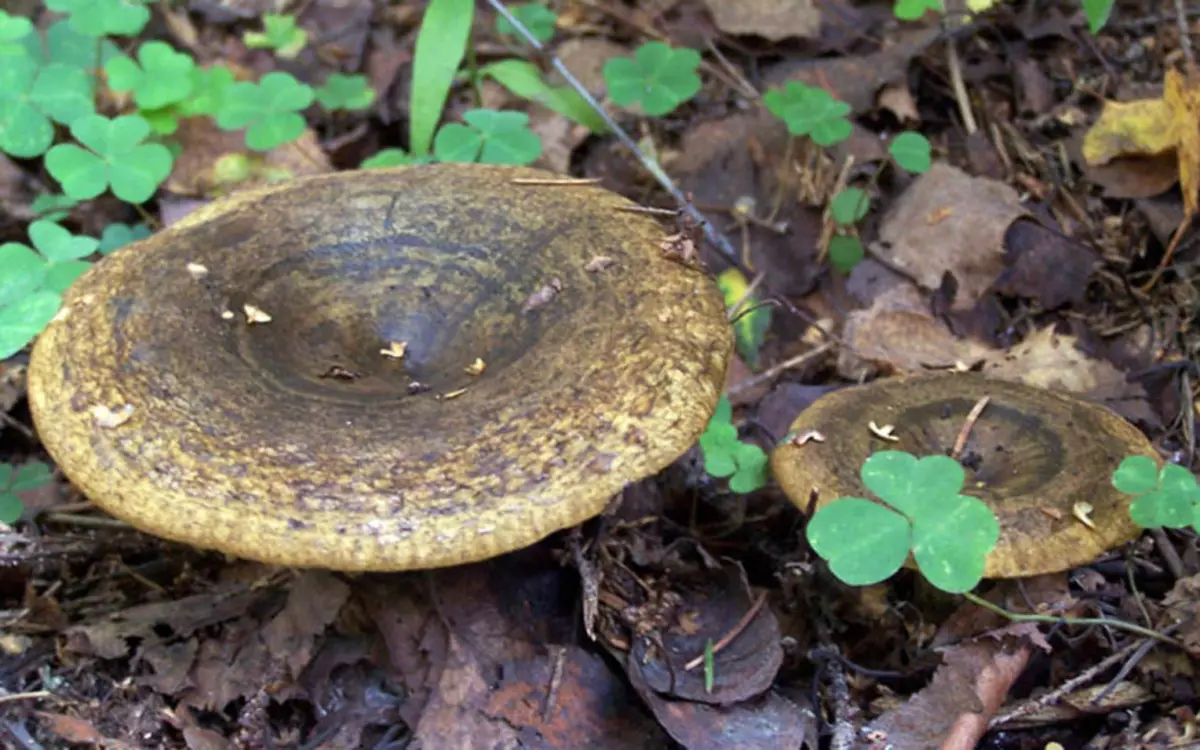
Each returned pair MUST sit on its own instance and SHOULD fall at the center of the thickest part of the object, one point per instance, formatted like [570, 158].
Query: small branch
[960, 88]
[774, 372]
[970, 421]
[727, 639]
[1185, 39]
[718, 241]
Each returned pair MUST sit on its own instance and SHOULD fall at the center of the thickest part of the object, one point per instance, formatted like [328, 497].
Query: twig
[562, 181]
[737, 629]
[970, 421]
[1067, 687]
[718, 241]
[35, 695]
[772, 373]
[960, 88]
[556, 678]
[1185, 39]
[1100, 621]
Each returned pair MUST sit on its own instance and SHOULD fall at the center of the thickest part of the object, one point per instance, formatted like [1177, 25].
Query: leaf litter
[1049, 244]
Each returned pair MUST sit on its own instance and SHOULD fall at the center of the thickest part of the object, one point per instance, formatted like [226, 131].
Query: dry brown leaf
[770, 19]
[1137, 128]
[950, 222]
[1051, 360]
[898, 334]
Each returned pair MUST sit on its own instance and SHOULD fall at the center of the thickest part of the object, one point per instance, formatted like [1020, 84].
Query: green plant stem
[1118, 624]
[719, 241]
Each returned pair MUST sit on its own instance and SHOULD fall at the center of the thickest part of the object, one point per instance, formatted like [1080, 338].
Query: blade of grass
[441, 45]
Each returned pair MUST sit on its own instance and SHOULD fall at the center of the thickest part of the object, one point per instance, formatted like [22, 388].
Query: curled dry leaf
[227, 315]
[395, 350]
[544, 295]
[452, 394]
[1082, 510]
[109, 418]
[808, 436]
[598, 264]
[255, 314]
[197, 270]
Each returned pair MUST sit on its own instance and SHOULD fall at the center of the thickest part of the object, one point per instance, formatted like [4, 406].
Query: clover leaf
[810, 111]
[1167, 497]
[61, 252]
[863, 542]
[280, 33]
[209, 86]
[61, 43]
[111, 154]
[912, 10]
[22, 272]
[269, 110]
[845, 252]
[726, 456]
[751, 471]
[923, 512]
[30, 476]
[718, 444]
[118, 235]
[912, 151]
[535, 17]
[489, 137]
[12, 30]
[161, 76]
[345, 92]
[31, 96]
[849, 206]
[392, 157]
[104, 17]
[658, 77]
[25, 318]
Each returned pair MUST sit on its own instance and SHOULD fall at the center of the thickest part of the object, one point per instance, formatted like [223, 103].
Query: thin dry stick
[768, 375]
[1185, 39]
[562, 181]
[1067, 687]
[737, 306]
[719, 241]
[970, 421]
[35, 695]
[737, 629]
[960, 88]
[827, 222]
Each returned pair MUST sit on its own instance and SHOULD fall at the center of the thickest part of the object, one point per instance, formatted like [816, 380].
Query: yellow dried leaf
[1138, 128]
[1182, 96]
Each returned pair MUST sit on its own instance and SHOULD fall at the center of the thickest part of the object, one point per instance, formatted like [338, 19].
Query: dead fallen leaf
[255, 314]
[770, 19]
[315, 599]
[543, 295]
[111, 417]
[1182, 605]
[1138, 128]
[1051, 360]
[950, 222]
[76, 730]
[1182, 95]
[898, 334]
[1031, 250]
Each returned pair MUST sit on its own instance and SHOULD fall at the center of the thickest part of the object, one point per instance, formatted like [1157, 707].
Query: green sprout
[752, 320]
[1097, 13]
[923, 513]
[489, 137]
[849, 206]
[745, 464]
[269, 110]
[111, 155]
[1168, 497]
[280, 33]
[658, 77]
[15, 480]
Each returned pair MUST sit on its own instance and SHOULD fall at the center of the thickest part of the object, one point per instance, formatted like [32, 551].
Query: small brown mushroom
[1031, 454]
[235, 441]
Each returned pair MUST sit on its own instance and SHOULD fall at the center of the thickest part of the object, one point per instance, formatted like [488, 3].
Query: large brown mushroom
[1042, 460]
[381, 370]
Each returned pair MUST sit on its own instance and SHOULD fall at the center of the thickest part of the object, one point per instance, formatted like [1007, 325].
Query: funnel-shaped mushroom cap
[1032, 456]
[304, 438]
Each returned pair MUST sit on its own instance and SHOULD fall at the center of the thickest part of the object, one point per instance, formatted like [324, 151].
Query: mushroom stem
[1118, 624]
